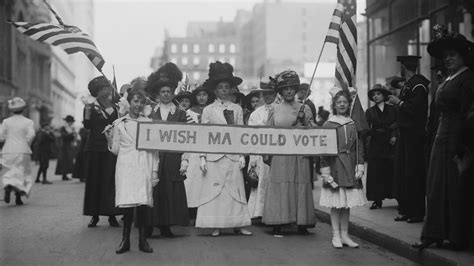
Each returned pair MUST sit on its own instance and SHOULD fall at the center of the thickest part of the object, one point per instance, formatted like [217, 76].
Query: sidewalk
[378, 227]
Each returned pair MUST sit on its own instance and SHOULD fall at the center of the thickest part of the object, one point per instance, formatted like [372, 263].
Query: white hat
[16, 104]
[334, 91]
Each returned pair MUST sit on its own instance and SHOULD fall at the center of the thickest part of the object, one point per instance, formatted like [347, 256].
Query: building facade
[25, 65]
[398, 27]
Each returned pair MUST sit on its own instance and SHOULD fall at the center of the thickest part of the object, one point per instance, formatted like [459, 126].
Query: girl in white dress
[136, 172]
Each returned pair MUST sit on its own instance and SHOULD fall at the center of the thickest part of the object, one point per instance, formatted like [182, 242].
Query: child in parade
[342, 184]
[136, 172]
[18, 132]
[222, 201]
[42, 147]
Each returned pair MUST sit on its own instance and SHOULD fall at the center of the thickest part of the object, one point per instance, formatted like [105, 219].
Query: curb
[397, 246]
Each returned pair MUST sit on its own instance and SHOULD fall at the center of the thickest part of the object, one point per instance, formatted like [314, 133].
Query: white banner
[231, 139]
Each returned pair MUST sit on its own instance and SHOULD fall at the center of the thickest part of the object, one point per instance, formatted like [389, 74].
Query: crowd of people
[156, 189]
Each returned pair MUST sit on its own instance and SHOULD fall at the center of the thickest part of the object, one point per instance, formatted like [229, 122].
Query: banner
[232, 139]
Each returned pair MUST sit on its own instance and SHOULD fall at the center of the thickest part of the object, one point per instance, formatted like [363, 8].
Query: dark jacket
[96, 140]
[413, 110]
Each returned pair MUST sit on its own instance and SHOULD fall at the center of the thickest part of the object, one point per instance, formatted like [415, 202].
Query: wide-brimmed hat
[97, 84]
[69, 118]
[183, 94]
[16, 104]
[409, 61]
[221, 72]
[324, 114]
[168, 75]
[379, 88]
[444, 40]
[287, 78]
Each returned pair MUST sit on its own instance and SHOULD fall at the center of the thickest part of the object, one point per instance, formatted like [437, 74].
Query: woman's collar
[340, 119]
[462, 69]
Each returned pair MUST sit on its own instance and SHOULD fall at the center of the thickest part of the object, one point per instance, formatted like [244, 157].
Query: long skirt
[257, 195]
[65, 163]
[99, 197]
[193, 180]
[169, 204]
[379, 179]
[289, 196]
[224, 210]
[16, 171]
[448, 201]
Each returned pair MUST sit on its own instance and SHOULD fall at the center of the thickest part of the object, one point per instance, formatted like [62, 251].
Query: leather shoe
[7, 194]
[401, 218]
[93, 222]
[113, 222]
[414, 220]
[18, 200]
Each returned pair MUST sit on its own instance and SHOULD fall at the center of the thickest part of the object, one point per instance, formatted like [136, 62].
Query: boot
[142, 243]
[113, 222]
[125, 244]
[345, 239]
[166, 232]
[18, 199]
[8, 190]
[148, 231]
[336, 232]
[93, 222]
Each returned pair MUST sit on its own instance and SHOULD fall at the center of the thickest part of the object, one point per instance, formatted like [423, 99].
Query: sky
[128, 32]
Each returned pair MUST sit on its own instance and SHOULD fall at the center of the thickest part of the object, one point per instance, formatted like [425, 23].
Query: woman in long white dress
[136, 172]
[18, 133]
[222, 202]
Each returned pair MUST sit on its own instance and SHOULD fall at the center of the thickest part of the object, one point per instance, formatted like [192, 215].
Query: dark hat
[324, 114]
[167, 75]
[183, 94]
[379, 88]
[444, 40]
[253, 93]
[285, 79]
[409, 61]
[97, 84]
[395, 80]
[69, 118]
[221, 72]
[304, 86]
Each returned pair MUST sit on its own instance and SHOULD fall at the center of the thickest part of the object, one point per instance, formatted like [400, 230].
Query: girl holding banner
[342, 174]
[222, 202]
[289, 197]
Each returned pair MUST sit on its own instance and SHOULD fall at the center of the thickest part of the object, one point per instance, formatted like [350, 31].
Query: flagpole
[54, 13]
[314, 71]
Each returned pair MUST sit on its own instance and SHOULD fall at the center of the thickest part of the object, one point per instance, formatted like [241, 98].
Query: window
[303, 24]
[211, 48]
[184, 48]
[174, 48]
[184, 61]
[221, 48]
[196, 48]
[232, 48]
[196, 61]
[196, 76]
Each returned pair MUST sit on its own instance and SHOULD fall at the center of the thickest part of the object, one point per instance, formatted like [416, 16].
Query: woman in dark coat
[99, 198]
[449, 206]
[382, 120]
[169, 196]
[65, 163]
[79, 164]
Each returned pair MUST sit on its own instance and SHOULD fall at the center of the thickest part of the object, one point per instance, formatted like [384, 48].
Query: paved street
[50, 229]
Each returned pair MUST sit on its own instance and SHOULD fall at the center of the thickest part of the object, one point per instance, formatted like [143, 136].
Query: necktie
[229, 116]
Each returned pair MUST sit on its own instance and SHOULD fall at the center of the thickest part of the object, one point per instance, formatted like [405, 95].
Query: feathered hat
[221, 72]
[168, 75]
[444, 40]
[287, 78]
[16, 104]
[379, 88]
[194, 93]
[267, 85]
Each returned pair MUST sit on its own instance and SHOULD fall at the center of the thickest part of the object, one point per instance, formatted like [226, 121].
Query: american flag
[343, 32]
[69, 38]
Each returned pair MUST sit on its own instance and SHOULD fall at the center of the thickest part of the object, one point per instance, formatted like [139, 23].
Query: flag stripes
[69, 38]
